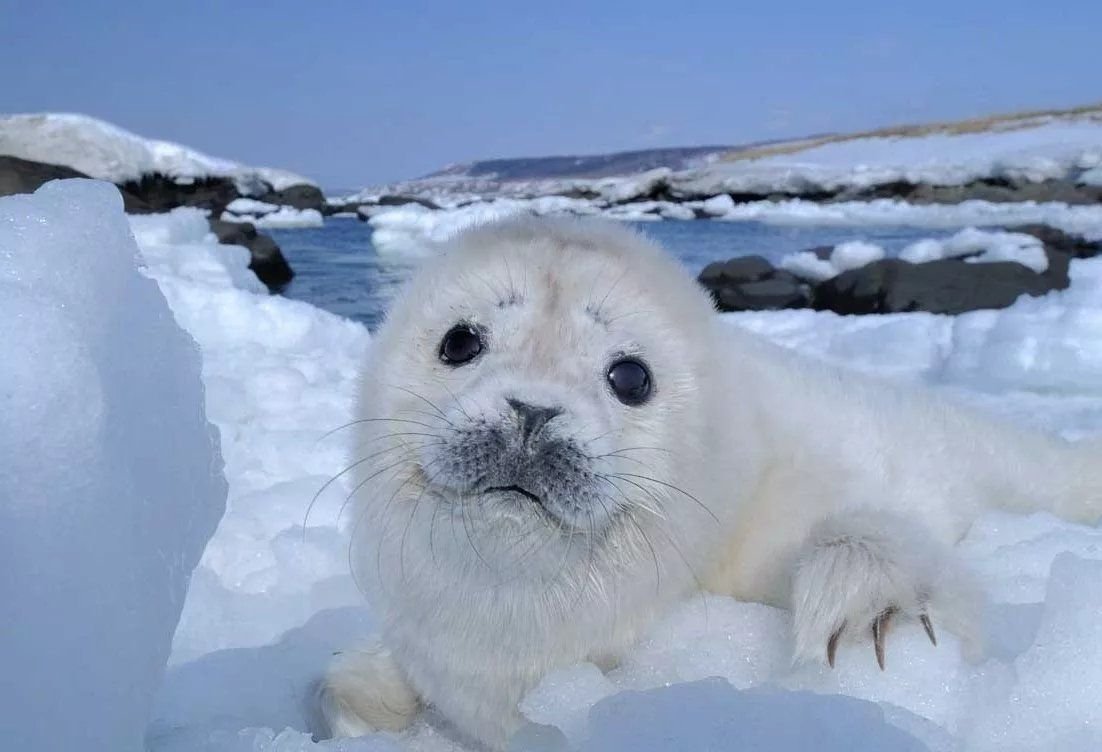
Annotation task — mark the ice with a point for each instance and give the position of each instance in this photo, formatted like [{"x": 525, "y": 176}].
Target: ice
[
  {"x": 712, "y": 715},
  {"x": 1082, "y": 220},
  {"x": 564, "y": 697},
  {"x": 272, "y": 598},
  {"x": 975, "y": 246},
  {"x": 414, "y": 230},
  {"x": 843, "y": 257},
  {"x": 283, "y": 217},
  {"x": 250, "y": 206},
  {"x": 102, "y": 150},
  {"x": 110, "y": 475},
  {"x": 1054, "y": 703}
]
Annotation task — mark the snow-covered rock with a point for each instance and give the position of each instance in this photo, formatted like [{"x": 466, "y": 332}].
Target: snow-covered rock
[
  {"x": 280, "y": 217},
  {"x": 110, "y": 475},
  {"x": 1024, "y": 150},
  {"x": 105, "y": 151}
]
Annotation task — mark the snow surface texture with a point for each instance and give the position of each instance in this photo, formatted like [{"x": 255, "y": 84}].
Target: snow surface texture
[
  {"x": 416, "y": 231},
  {"x": 272, "y": 597},
  {"x": 1050, "y": 147},
  {"x": 110, "y": 475},
  {"x": 975, "y": 246},
  {"x": 271, "y": 601},
  {"x": 1046, "y": 149},
  {"x": 105, "y": 151},
  {"x": 281, "y": 217}
]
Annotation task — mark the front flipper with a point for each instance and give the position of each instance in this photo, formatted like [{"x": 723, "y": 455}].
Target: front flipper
[
  {"x": 363, "y": 691},
  {"x": 862, "y": 571}
]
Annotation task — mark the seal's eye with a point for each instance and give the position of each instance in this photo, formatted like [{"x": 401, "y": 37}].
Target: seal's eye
[
  {"x": 630, "y": 381},
  {"x": 460, "y": 345}
]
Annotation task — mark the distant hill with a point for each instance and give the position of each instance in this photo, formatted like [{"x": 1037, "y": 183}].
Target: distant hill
[{"x": 588, "y": 166}]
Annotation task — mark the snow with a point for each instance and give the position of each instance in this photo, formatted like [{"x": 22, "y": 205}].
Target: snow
[
  {"x": 272, "y": 598},
  {"x": 110, "y": 474},
  {"x": 975, "y": 246},
  {"x": 105, "y": 151},
  {"x": 251, "y": 206},
  {"x": 280, "y": 217},
  {"x": 1081, "y": 220},
  {"x": 1023, "y": 151}
]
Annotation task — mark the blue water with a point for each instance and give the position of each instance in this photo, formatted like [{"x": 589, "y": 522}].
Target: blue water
[{"x": 337, "y": 268}]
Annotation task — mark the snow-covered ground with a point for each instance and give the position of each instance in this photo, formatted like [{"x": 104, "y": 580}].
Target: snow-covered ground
[
  {"x": 1030, "y": 150},
  {"x": 272, "y": 598},
  {"x": 1058, "y": 146},
  {"x": 414, "y": 230},
  {"x": 105, "y": 151}
]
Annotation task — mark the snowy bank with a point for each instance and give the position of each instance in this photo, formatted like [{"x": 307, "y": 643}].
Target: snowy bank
[
  {"x": 105, "y": 151},
  {"x": 272, "y": 597},
  {"x": 110, "y": 476}
]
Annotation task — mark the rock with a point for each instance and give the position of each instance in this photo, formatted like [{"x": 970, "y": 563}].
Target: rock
[
  {"x": 268, "y": 262},
  {"x": 739, "y": 269},
  {"x": 25, "y": 176},
  {"x": 398, "y": 200},
  {"x": 160, "y": 193},
  {"x": 1075, "y": 246},
  {"x": 763, "y": 295},
  {"x": 948, "y": 286},
  {"x": 298, "y": 196},
  {"x": 750, "y": 283}
]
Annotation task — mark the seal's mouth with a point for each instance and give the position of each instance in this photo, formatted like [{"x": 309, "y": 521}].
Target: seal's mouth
[{"x": 517, "y": 490}]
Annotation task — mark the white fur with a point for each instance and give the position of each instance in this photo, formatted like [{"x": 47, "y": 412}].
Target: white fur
[{"x": 751, "y": 472}]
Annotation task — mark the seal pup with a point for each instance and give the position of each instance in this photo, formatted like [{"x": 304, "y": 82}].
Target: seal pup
[{"x": 561, "y": 439}]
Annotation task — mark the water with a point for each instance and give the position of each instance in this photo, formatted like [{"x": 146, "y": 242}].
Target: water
[{"x": 336, "y": 267}]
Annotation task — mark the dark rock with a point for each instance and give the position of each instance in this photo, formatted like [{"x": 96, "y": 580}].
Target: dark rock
[
  {"x": 1075, "y": 246},
  {"x": 160, "y": 193},
  {"x": 740, "y": 269},
  {"x": 24, "y": 176},
  {"x": 267, "y": 260},
  {"x": 402, "y": 200},
  {"x": 763, "y": 295},
  {"x": 948, "y": 286},
  {"x": 298, "y": 196}
]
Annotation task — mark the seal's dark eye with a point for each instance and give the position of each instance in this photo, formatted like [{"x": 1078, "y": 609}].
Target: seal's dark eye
[
  {"x": 630, "y": 381},
  {"x": 460, "y": 345}
]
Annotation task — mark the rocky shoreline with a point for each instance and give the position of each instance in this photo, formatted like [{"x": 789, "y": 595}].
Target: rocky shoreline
[
  {"x": 894, "y": 285},
  {"x": 158, "y": 193}
]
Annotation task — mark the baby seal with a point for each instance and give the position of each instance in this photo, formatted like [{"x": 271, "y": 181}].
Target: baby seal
[{"x": 560, "y": 440}]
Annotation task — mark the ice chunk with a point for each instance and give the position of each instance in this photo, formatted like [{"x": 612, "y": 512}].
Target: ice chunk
[
  {"x": 711, "y": 714},
  {"x": 282, "y": 217},
  {"x": 1054, "y": 704},
  {"x": 110, "y": 476},
  {"x": 564, "y": 697},
  {"x": 854, "y": 254}
]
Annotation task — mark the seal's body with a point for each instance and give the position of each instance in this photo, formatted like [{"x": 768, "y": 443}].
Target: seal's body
[{"x": 560, "y": 439}]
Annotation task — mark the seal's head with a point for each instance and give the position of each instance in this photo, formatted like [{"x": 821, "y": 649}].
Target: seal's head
[{"x": 534, "y": 399}]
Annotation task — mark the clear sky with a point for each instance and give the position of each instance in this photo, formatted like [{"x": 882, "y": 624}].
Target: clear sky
[{"x": 353, "y": 93}]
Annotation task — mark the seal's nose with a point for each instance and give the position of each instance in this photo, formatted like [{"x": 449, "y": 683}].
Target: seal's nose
[{"x": 532, "y": 417}]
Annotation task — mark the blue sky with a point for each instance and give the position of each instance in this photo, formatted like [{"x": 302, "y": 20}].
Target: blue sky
[{"x": 352, "y": 93}]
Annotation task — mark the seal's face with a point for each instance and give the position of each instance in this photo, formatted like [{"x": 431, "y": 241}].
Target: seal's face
[{"x": 526, "y": 389}]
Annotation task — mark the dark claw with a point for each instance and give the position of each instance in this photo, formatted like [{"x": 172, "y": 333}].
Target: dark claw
[
  {"x": 832, "y": 644},
  {"x": 879, "y": 629},
  {"x": 929, "y": 627}
]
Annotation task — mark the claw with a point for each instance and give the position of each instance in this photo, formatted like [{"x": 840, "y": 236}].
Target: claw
[
  {"x": 832, "y": 644},
  {"x": 879, "y": 629},
  {"x": 929, "y": 627}
]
